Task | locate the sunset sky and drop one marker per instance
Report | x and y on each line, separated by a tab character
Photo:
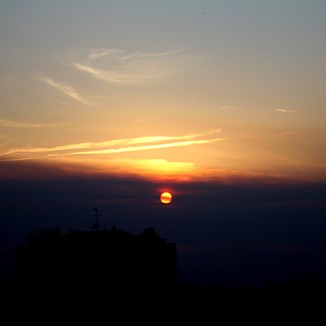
181	95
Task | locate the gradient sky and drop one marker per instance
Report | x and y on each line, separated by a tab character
173	94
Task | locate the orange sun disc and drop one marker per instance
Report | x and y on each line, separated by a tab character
166	198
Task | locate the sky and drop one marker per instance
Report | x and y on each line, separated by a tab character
221	102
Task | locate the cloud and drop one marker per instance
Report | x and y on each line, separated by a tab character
227	107
65	89
98	53
122	145
17	124
148	147
290	132
117	67
281	110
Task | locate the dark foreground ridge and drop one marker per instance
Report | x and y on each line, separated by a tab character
99	273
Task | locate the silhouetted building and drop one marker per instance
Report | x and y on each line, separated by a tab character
108	261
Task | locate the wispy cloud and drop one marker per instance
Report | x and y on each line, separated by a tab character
148	147
102	52
65	89
117	67
291	132
281	110
18	124
108	76
121	145
227	107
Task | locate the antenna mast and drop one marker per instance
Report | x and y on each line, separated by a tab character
95	226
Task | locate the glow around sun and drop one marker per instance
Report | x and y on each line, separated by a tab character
166	198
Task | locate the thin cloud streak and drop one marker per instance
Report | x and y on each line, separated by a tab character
284	110
95	54
101	147
117	67
17	124
65	89
106	76
227	107
288	133
148	147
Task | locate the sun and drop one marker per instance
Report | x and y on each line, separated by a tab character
166	197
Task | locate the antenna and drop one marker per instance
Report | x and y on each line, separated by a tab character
95	226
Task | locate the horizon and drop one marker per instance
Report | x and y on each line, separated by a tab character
236	232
